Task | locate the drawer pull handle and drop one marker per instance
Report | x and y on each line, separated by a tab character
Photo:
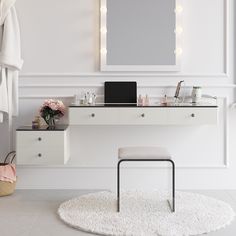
93	115
39	155
143	115
39	139
192	115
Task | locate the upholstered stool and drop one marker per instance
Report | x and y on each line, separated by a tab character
126	154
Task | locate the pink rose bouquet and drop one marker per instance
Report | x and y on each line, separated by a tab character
51	110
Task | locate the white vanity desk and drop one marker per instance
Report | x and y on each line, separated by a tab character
52	147
186	114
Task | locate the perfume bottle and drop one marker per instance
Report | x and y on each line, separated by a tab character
36	123
82	99
76	99
140	100
164	101
94	96
146	100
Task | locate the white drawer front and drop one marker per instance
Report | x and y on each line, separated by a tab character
31	156
93	116
192	116
142	116
41	139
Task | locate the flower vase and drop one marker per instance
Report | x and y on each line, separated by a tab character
51	123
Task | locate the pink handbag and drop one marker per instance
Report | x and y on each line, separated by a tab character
7	175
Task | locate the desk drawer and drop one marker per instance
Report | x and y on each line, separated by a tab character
40	139
192	116
93	116
29	156
142	116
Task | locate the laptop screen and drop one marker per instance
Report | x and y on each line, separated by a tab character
120	93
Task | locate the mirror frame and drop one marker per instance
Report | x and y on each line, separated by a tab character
158	68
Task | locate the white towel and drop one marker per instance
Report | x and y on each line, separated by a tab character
10	59
5	5
3	94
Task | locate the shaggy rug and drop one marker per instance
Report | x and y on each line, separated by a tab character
146	214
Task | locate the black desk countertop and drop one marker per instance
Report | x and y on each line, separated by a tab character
170	105
43	128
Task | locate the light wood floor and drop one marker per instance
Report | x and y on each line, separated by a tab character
33	212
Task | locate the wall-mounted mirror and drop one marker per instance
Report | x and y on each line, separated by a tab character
140	35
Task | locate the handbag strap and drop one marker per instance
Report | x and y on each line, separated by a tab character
13	153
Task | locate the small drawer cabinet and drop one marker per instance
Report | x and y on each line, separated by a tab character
42	146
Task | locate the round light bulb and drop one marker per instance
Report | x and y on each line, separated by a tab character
179	30
178	51
179	9
103	51
103	9
103	30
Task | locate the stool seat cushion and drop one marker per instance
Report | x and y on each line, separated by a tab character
143	153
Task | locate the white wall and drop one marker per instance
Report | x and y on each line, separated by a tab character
60	44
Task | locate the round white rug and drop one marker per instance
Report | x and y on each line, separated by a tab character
146	214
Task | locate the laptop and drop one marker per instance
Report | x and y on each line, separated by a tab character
120	93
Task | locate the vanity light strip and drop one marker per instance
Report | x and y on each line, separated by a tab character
178	51
103	9
178	30
103	30
178	9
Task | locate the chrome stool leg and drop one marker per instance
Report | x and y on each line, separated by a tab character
172	205
118	185
173	186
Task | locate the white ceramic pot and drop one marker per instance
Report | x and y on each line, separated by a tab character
196	94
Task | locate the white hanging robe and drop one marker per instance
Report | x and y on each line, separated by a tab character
10	59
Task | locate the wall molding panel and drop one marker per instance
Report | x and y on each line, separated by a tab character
118	74
100	85
227	24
